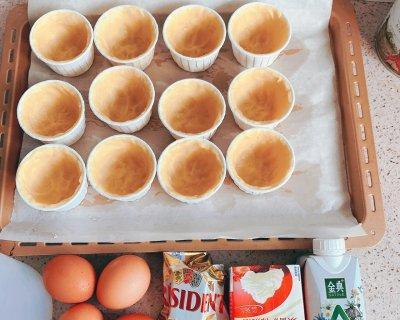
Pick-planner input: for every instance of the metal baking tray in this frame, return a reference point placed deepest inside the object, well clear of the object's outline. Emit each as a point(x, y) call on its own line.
point(360, 156)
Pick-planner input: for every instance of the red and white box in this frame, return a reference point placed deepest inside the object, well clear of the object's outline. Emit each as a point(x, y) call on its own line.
point(267, 292)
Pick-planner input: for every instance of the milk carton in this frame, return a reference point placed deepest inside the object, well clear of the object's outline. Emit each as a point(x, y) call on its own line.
point(332, 283)
point(266, 292)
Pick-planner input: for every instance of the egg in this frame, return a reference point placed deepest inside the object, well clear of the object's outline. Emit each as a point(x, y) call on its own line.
point(82, 311)
point(135, 316)
point(123, 282)
point(69, 278)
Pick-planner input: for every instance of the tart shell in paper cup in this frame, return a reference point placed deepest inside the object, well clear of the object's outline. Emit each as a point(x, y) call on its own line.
point(52, 177)
point(248, 52)
point(260, 98)
point(122, 167)
point(105, 98)
point(60, 121)
point(194, 58)
point(182, 104)
point(109, 40)
point(191, 170)
point(260, 160)
point(73, 57)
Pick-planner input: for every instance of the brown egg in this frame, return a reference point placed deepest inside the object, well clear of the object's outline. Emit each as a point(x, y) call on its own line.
point(69, 278)
point(82, 311)
point(123, 282)
point(135, 316)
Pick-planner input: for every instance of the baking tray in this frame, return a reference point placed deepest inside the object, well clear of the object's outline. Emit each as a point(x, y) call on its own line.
point(360, 156)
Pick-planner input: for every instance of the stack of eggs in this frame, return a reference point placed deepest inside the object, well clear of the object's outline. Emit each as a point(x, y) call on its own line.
point(72, 279)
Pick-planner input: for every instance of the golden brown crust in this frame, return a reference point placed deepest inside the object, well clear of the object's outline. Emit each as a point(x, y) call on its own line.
point(120, 166)
point(260, 158)
point(50, 109)
point(49, 176)
point(259, 29)
point(194, 31)
point(191, 106)
point(121, 94)
point(191, 169)
point(261, 95)
point(60, 36)
point(125, 33)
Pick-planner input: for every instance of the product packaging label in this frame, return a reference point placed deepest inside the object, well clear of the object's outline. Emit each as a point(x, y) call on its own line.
point(335, 288)
point(393, 26)
point(266, 293)
point(388, 39)
point(193, 287)
point(333, 296)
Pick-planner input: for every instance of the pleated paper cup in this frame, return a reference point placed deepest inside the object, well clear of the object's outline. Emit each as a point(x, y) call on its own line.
point(260, 160)
point(52, 177)
point(122, 167)
point(122, 97)
point(203, 28)
point(63, 40)
point(258, 33)
point(191, 108)
point(127, 35)
point(52, 111)
point(191, 170)
point(260, 98)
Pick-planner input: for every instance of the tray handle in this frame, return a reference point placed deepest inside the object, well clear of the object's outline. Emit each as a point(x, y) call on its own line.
point(13, 67)
point(356, 119)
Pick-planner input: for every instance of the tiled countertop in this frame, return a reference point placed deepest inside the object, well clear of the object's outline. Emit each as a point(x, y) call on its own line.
point(380, 265)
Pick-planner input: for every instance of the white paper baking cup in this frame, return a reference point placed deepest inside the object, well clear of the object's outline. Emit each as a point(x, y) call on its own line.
point(66, 204)
point(245, 123)
point(207, 134)
point(181, 197)
point(193, 64)
point(69, 68)
point(128, 197)
point(251, 189)
point(69, 137)
point(143, 60)
point(128, 126)
point(248, 59)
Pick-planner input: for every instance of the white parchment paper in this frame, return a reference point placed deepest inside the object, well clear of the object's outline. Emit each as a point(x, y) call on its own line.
point(315, 201)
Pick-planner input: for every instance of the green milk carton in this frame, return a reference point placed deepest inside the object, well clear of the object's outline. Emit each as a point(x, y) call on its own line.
point(332, 283)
